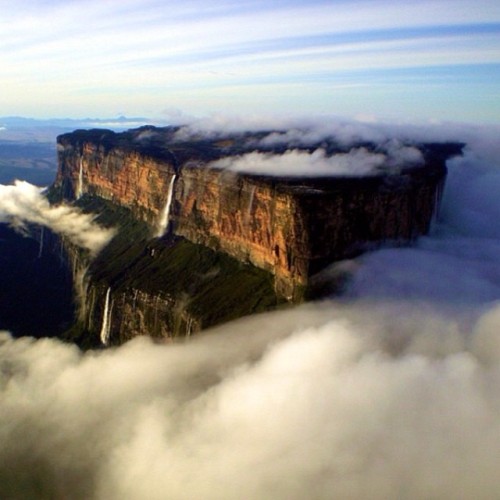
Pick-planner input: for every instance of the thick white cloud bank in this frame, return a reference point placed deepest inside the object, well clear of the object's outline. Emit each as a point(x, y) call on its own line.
point(302, 163)
point(363, 401)
point(391, 155)
point(392, 392)
point(296, 163)
point(24, 203)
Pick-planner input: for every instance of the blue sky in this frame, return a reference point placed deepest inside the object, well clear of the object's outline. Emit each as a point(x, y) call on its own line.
point(432, 60)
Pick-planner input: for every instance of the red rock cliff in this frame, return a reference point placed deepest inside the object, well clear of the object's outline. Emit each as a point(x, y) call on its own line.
point(292, 227)
point(125, 177)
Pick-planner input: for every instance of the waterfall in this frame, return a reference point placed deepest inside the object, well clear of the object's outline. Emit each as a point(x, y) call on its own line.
point(250, 202)
point(40, 248)
point(165, 215)
point(106, 319)
point(247, 216)
point(81, 291)
point(91, 309)
point(79, 187)
point(438, 197)
point(189, 327)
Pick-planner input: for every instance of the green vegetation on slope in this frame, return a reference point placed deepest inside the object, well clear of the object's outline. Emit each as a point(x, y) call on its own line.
point(217, 287)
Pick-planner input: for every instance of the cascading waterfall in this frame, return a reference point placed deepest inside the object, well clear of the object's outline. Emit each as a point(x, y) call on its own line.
point(437, 201)
point(91, 309)
point(134, 303)
point(81, 290)
point(40, 248)
point(248, 214)
point(106, 319)
point(165, 215)
point(189, 327)
point(79, 188)
point(250, 202)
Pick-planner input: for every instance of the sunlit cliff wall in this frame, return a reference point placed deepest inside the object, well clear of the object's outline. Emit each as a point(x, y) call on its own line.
point(291, 227)
point(125, 177)
point(295, 228)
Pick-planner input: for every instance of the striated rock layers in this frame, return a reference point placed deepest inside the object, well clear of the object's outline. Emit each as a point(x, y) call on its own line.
point(290, 226)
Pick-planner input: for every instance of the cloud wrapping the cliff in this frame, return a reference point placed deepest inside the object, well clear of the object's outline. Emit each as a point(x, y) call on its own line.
point(458, 265)
point(24, 203)
point(309, 132)
point(295, 132)
point(291, 131)
point(302, 163)
point(356, 162)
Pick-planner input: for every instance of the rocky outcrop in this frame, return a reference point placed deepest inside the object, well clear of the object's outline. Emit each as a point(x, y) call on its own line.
point(89, 164)
point(161, 287)
point(199, 244)
point(290, 227)
point(295, 228)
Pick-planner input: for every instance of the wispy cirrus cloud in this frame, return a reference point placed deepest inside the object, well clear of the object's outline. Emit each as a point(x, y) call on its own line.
point(102, 51)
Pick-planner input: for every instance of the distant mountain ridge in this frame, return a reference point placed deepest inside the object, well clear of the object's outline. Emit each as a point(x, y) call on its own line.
point(120, 122)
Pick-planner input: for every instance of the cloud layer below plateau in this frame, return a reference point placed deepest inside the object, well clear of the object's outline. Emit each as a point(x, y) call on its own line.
point(350, 401)
point(391, 392)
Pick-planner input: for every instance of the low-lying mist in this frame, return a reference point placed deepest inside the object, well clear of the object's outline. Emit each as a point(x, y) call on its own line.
point(23, 203)
point(391, 392)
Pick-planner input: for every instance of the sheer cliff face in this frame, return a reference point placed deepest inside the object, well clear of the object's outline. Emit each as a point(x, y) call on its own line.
point(126, 178)
point(294, 230)
point(292, 227)
point(248, 218)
